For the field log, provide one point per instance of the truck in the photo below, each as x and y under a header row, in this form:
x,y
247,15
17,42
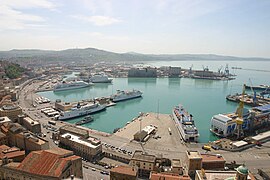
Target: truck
x,y
207,148
52,122
170,131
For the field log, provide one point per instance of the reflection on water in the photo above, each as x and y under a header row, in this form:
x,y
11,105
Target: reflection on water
x,y
203,83
102,85
142,80
174,82
129,102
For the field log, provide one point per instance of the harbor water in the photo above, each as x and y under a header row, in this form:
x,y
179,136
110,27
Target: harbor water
x,y
201,98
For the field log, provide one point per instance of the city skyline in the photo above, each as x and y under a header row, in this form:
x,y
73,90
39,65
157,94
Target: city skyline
x,y
237,28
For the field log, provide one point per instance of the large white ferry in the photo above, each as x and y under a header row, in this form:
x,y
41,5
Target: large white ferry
x,y
185,124
125,95
100,78
81,111
70,85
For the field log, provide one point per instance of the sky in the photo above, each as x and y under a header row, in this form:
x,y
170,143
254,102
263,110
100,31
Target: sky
x,y
224,27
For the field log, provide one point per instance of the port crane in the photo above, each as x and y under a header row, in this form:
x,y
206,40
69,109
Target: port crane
x,y
254,93
239,112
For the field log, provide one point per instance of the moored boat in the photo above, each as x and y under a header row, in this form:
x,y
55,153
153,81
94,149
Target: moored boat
x,y
185,124
100,78
71,85
81,111
85,120
125,95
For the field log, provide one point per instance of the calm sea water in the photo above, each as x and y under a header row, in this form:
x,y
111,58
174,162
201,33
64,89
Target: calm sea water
x,y
202,98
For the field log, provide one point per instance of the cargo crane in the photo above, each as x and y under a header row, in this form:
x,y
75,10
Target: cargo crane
x,y
254,93
239,112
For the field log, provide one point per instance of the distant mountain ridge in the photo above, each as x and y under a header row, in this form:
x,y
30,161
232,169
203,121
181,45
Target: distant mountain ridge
x,y
102,55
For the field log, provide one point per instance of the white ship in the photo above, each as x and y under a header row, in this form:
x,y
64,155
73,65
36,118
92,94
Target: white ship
x,y
125,95
70,85
185,124
100,78
81,111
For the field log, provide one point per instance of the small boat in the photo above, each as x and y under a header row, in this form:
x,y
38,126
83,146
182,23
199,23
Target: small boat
x,y
85,120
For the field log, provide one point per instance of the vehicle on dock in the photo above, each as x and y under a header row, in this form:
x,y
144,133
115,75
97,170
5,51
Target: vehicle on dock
x,y
185,124
207,148
170,131
85,120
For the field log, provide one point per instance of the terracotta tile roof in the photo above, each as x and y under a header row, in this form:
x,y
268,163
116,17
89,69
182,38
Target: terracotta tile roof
x,y
10,153
3,147
167,176
61,152
124,170
211,158
45,163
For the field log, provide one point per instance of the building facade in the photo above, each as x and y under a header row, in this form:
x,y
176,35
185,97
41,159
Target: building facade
x,y
123,173
86,148
193,162
31,125
144,162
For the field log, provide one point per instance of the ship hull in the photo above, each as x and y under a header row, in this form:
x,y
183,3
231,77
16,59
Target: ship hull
x,y
71,115
101,81
186,137
126,98
70,88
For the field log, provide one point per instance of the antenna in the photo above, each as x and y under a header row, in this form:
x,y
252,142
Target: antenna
x,y
158,109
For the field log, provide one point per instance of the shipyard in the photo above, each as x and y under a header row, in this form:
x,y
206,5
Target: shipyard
x,y
138,90
158,134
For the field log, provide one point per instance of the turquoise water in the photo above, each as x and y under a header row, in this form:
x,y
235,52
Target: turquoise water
x,y
202,98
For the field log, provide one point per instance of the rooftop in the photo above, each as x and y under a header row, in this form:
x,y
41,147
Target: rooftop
x,y
4,119
176,163
59,151
218,175
2,135
194,155
261,136
222,117
78,139
124,170
212,158
239,143
45,163
167,176
10,152
139,156
75,130
31,121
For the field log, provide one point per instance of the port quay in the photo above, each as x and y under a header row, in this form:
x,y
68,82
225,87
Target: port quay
x,y
145,120
163,137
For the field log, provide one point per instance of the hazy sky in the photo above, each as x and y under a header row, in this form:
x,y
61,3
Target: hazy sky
x,y
226,27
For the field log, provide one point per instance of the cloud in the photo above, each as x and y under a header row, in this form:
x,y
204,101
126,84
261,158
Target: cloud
x,y
12,16
186,9
98,20
27,4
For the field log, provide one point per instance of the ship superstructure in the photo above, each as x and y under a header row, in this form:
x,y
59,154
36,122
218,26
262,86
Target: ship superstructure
x,y
185,124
